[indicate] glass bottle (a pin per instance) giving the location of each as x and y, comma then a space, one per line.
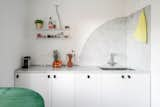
50, 23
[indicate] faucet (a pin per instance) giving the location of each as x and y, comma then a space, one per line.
112, 60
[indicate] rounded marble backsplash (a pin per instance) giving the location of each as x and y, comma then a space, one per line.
108, 38
117, 36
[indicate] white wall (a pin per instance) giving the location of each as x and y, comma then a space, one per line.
134, 5
12, 44
155, 53
84, 16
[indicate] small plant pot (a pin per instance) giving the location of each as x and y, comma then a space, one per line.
39, 25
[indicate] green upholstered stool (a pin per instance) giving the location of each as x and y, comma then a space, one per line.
20, 97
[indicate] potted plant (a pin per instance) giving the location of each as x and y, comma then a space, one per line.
39, 23
57, 63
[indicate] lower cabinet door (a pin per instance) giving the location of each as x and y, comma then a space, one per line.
63, 90
112, 90
36, 82
137, 90
125, 90
87, 90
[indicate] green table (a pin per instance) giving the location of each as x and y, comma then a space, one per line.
20, 97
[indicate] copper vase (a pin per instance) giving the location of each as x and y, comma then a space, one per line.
69, 63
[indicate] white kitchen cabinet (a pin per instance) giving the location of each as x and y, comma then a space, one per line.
138, 91
63, 90
87, 90
125, 90
38, 82
111, 90
57, 89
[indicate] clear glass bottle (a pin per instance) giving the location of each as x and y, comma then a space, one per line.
50, 23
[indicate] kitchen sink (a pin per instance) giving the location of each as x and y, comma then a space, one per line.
115, 68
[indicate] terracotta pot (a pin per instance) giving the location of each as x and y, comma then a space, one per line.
39, 25
57, 64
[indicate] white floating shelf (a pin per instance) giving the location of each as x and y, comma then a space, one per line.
52, 30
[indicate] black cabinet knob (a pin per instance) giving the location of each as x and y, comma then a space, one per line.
17, 76
88, 76
123, 77
129, 76
54, 76
49, 76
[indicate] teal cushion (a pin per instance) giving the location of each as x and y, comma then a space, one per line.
20, 97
